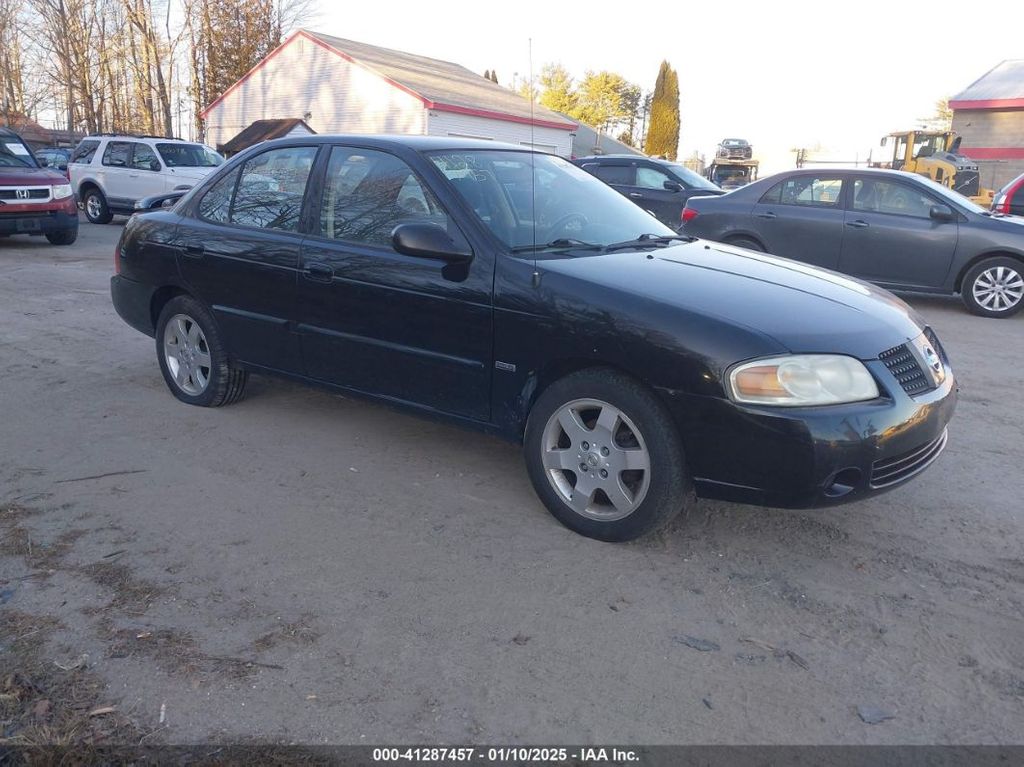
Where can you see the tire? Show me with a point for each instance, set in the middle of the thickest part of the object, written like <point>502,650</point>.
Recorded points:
<point>63,236</point>
<point>203,376</point>
<point>96,208</point>
<point>994,287</point>
<point>746,242</point>
<point>643,435</point>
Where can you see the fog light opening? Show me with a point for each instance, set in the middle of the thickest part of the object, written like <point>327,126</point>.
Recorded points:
<point>843,482</point>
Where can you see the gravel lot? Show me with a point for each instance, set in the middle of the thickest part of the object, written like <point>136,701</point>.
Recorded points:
<point>307,567</point>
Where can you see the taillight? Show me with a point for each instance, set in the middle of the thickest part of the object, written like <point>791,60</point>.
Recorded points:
<point>117,258</point>
<point>689,214</point>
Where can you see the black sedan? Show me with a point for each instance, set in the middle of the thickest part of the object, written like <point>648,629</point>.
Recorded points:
<point>898,230</point>
<point>512,292</point>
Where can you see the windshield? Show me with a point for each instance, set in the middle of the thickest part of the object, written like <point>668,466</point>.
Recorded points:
<point>14,154</point>
<point>570,203</point>
<point>189,156</point>
<point>691,178</point>
<point>954,197</point>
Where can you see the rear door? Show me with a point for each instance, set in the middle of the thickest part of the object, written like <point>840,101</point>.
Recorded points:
<point>240,254</point>
<point>114,174</point>
<point>413,329</point>
<point>891,237</point>
<point>801,217</point>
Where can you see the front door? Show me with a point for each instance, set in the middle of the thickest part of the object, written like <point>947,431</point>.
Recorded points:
<point>412,329</point>
<point>240,251</point>
<point>891,237</point>
<point>801,217</point>
<point>143,177</point>
<point>649,192</point>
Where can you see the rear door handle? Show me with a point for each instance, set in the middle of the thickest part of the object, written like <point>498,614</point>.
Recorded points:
<point>858,224</point>
<point>768,215</point>
<point>318,272</point>
<point>636,195</point>
<point>194,251</point>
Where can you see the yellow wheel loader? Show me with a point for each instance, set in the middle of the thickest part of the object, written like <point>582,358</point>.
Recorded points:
<point>936,154</point>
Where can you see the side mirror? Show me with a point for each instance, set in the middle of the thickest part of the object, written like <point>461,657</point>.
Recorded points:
<point>62,166</point>
<point>159,201</point>
<point>154,165</point>
<point>43,162</point>
<point>429,241</point>
<point>885,140</point>
<point>673,186</point>
<point>941,213</point>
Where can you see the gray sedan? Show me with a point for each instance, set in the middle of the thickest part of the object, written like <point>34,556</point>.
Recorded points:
<point>899,230</point>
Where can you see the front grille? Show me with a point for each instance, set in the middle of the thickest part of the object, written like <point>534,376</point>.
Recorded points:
<point>967,182</point>
<point>902,467</point>
<point>33,194</point>
<point>905,369</point>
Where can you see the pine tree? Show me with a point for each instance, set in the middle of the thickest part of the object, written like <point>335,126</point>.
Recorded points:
<point>663,133</point>
<point>494,76</point>
<point>487,74</point>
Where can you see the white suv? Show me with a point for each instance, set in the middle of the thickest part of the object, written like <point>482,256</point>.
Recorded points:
<point>111,173</point>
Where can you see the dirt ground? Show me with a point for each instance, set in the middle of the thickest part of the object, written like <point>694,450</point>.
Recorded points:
<point>312,568</point>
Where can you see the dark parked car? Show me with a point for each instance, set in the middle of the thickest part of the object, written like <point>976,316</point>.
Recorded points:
<point>734,149</point>
<point>634,366</point>
<point>1010,199</point>
<point>896,229</point>
<point>660,187</point>
<point>33,200</point>
<point>55,157</point>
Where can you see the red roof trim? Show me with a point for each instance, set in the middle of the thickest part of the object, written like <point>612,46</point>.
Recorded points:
<point>993,153</point>
<point>248,74</point>
<point>987,104</point>
<point>499,116</point>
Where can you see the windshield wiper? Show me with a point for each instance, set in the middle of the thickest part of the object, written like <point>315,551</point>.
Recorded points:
<point>647,239</point>
<point>563,243</point>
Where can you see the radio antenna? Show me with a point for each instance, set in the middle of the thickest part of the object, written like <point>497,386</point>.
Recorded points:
<point>533,172</point>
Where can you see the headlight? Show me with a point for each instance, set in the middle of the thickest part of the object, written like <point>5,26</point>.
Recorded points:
<point>802,379</point>
<point>60,191</point>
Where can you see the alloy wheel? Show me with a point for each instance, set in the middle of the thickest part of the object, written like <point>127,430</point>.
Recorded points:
<point>187,354</point>
<point>94,206</point>
<point>596,459</point>
<point>999,288</point>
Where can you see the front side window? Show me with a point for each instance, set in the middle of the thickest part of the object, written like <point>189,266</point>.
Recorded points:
<point>649,178</point>
<point>118,153</point>
<point>690,178</point>
<point>271,188</point>
<point>526,198</point>
<point>811,191</point>
<point>189,156</point>
<point>368,193</point>
<point>85,151</point>
<point>14,153</point>
<point>882,196</point>
<point>144,158</point>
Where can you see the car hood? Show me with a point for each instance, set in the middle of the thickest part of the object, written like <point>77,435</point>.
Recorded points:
<point>189,175</point>
<point>802,308</point>
<point>30,177</point>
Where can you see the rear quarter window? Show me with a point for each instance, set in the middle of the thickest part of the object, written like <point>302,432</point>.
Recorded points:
<point>85,151</point>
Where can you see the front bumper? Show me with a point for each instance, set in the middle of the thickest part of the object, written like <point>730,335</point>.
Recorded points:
<point>812,457</point>
<point>25,219</point>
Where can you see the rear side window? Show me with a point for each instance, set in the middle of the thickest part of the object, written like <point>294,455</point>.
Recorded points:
<point>810,191</point>
<point>117,153</point>
<point>85,151</point>
<point>615,174</point>
<point>271,188</point>
<point>216,203</point>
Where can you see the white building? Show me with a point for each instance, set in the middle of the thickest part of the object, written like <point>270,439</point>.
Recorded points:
<point>341,86</point>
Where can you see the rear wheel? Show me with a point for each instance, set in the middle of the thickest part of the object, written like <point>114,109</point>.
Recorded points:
<point>994,287</point>
<point>96,208</point>
<point>63,237</point>
<point>604,456</point>
<point>192,357</point>
<point>746,242</point>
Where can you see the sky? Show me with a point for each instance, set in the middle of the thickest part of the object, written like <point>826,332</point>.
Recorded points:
<point>789,73</point>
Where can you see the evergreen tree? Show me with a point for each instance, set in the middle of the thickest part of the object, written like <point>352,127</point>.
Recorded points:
<point>663,133</point>
<point>487,74</point>
<point>494,76</point>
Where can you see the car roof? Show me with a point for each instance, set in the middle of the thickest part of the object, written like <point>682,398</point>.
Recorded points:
<point>630,157</point>
<point>135,137</point>
<point>418,143</point>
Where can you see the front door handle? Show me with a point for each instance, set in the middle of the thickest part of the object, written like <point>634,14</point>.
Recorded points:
<point>635,195</point>
<point>194,251</point>
<point>858,224</point>
<point>318,272</point>
<point>768,215</point>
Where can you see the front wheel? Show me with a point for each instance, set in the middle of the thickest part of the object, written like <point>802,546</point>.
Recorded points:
<point>994,287</point>
<point>604,456</point>
<point>96,208</point>
<point>192,356</point>
<point>63,236</point>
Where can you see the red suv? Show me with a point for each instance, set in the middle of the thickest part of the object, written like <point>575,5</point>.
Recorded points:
<point>33,200</point>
